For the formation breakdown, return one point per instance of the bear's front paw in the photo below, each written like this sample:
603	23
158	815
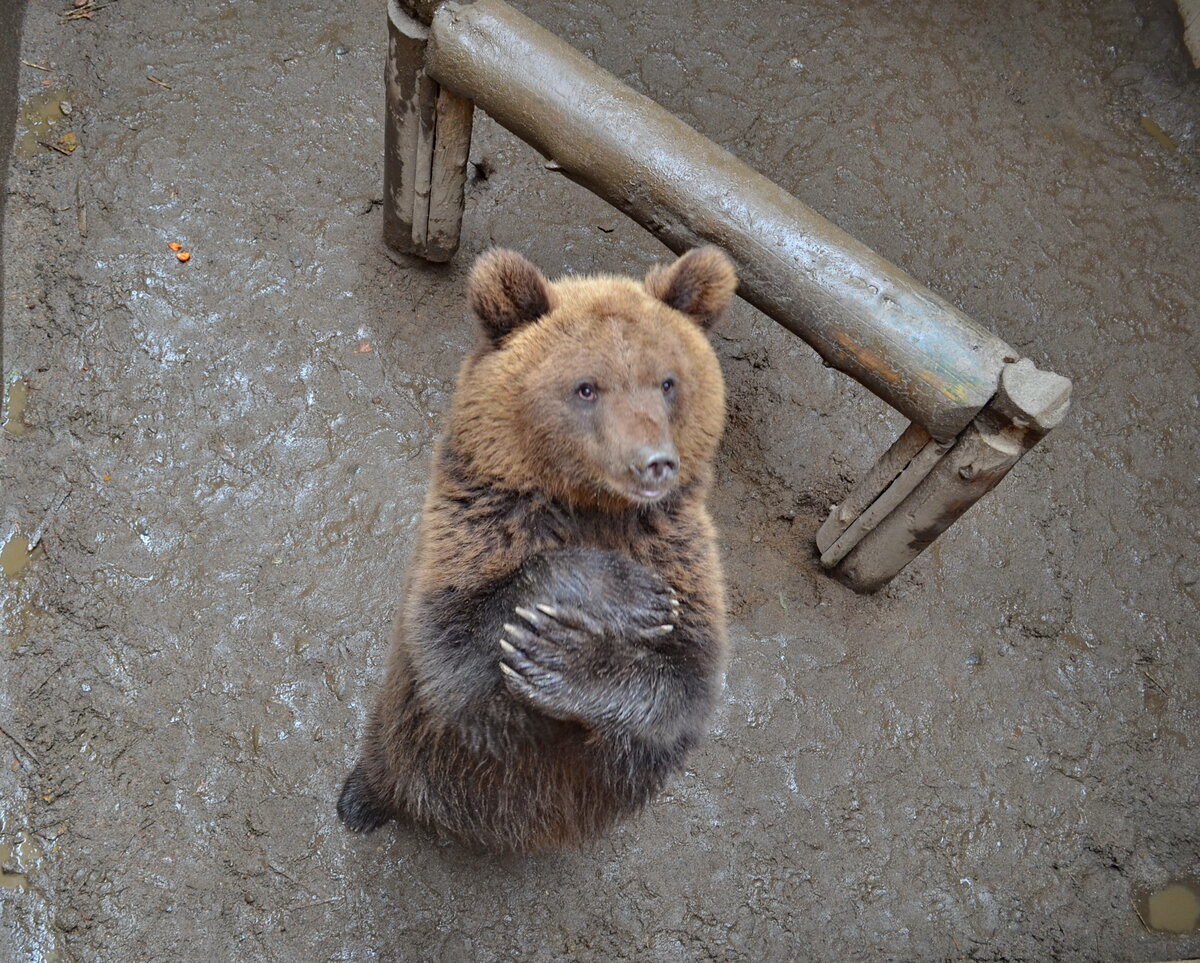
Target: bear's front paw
534	668
561	666
604	594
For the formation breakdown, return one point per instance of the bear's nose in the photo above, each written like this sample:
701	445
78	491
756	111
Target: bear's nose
655	465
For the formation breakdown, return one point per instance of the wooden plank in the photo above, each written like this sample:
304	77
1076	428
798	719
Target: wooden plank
1028	405
448	176
898	489
407	39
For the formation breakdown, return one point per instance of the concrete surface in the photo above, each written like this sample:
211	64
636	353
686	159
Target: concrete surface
995	759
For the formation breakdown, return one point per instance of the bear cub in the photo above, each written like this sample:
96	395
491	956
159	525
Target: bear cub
562	637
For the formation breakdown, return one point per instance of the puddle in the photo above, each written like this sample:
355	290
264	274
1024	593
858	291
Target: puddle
1150	126
1174	908
16	555
19	616
14	407
10	882
43	119
16	861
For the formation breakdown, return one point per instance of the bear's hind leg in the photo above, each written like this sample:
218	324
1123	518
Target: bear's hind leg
357	807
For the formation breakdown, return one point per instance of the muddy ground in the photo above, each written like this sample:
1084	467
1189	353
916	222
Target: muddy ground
993	759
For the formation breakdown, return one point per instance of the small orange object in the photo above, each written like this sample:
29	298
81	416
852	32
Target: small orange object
184	255
175	246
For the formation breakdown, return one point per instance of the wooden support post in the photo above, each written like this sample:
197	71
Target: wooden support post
426	142
885	486
937	484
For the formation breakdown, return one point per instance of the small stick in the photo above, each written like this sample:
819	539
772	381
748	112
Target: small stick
81	208
1157	684
53	146
85	12
28	63
20	745
161	83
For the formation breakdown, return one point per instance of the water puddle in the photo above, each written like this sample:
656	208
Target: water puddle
1174	908
1150	126
10	882
45	117
19	616
14	407
16	555
17	860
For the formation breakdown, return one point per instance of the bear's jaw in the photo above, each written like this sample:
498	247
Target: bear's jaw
649	496
620	498
625	491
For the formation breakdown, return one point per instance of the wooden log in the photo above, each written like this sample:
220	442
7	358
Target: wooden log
448	174
880	502
427	137
873	484
1028	404
863	315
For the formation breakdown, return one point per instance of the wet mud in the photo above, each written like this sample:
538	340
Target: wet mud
221	463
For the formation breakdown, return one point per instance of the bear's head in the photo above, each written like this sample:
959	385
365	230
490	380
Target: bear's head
598	391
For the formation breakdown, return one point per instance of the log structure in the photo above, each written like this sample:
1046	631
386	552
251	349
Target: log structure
974	405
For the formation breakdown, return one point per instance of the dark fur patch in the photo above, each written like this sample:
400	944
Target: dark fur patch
356	807
506	292
700	284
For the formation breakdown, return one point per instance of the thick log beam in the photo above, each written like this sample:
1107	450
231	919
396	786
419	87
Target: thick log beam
864	316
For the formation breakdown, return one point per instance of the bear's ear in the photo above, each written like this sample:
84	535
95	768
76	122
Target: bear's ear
506	292
699	284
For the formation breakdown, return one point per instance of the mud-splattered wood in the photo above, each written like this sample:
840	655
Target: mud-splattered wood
885	501
873	484
448	174
1029	403
426	141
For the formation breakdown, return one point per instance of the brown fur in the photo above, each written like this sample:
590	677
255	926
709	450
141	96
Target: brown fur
533	501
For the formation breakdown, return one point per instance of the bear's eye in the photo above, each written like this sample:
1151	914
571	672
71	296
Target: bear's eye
668	386
587	391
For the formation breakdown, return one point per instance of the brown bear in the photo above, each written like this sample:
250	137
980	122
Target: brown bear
563	636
